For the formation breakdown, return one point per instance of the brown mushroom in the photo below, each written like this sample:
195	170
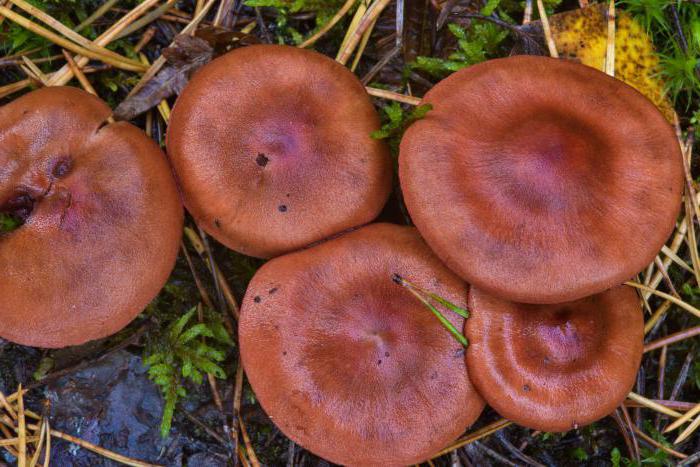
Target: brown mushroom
348	364
539	180
101	219
272	148
555	367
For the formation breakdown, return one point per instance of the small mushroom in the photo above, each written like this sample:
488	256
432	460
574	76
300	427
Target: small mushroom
540	180
555	367
348	364
100	217
272	148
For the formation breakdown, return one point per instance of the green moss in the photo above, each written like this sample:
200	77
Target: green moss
182	353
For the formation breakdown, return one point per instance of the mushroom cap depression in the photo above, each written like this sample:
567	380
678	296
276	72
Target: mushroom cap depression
102	219
555	367
349	364
272	149
540	180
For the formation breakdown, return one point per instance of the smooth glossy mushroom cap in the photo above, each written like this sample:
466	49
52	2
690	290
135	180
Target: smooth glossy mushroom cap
272	148
349	364
555	367
103	219
540	180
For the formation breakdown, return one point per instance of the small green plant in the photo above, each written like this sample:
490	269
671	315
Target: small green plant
674	27
8	223
476	44
429	299
182	354
323	9
397	121
615	457
649	458
579	454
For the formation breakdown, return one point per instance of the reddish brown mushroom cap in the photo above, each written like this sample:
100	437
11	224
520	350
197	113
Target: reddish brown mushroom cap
102	215
347	363
541	181
272	149
555	367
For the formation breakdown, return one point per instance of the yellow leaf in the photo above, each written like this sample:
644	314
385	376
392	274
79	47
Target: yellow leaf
582	35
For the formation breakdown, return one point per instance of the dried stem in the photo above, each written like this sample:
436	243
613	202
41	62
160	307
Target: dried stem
686	306
329	25
610	48
475	436
650	404
673	338
128	65
393	96
367	20
547	30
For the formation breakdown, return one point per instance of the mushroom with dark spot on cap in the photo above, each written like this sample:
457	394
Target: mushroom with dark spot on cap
349	365
101	219
267	123
540	180
555	367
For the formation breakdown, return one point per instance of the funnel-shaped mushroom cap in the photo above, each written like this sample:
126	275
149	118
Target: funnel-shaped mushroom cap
102	219
347	363
555	367
272	148
541	181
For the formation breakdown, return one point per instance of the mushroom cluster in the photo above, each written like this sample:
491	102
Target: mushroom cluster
100	215
531	197
517	182
545	198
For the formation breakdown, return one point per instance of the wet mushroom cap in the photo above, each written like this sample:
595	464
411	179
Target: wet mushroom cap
555	367
349	364
101	216
540	180
272	148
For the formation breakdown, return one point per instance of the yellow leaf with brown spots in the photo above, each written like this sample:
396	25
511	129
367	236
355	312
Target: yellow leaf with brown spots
582	35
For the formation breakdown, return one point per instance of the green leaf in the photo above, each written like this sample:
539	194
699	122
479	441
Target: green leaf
187	368
198	330
579	454
476	44
444	321
8	223
153	359
45	365
458	31
220	333
168	412
490	7
160	369
181	323
615	457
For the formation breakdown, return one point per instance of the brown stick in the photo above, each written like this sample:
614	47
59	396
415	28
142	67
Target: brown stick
673	338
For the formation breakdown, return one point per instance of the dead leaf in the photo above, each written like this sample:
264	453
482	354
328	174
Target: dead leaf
582	35
185	56
223	40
